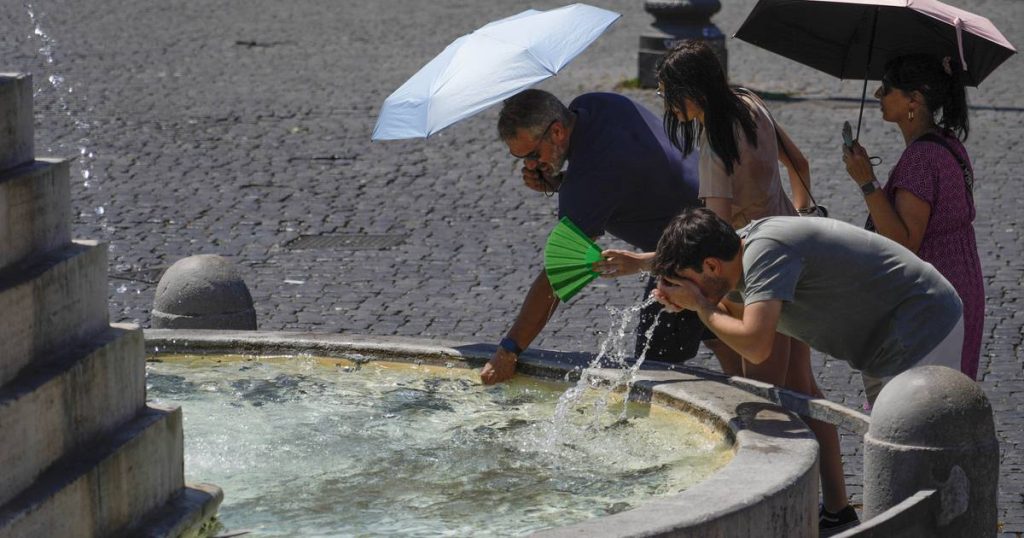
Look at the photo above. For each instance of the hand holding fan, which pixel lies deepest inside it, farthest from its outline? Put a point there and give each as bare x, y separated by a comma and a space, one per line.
568, 259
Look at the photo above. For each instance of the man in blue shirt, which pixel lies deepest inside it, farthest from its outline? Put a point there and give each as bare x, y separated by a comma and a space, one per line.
624, 177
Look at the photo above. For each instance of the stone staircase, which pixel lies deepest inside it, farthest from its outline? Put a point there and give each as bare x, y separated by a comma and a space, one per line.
81, 453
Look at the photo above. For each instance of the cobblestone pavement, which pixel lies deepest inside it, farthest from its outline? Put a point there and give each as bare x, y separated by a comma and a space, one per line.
235, 126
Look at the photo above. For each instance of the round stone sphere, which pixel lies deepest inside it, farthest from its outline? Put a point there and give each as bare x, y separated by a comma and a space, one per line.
932, 406
203, 292
932, 428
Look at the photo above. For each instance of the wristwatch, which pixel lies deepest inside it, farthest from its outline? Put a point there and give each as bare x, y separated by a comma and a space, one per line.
510, 345
870, 187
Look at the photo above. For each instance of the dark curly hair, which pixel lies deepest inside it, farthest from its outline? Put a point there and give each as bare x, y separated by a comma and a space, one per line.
692, 71
692, 236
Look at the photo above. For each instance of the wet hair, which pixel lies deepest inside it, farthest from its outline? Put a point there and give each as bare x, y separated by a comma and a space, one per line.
926, 74
692, 71
532, 111
692, 236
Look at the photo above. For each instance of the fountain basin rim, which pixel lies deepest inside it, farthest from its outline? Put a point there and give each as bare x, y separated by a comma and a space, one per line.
770, 485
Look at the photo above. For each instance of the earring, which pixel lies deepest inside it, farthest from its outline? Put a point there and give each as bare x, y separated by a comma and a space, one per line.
910, 115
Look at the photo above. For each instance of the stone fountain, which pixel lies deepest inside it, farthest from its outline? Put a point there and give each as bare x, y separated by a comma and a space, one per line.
82, 453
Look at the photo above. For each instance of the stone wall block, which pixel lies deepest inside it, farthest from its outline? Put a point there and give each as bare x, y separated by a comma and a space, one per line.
57, 301
35, 210
107, 489
51, 411
17, 134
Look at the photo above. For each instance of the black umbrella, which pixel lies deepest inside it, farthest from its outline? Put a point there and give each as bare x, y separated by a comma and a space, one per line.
853, 39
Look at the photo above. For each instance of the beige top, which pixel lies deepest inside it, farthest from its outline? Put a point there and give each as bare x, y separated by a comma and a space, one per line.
755, 185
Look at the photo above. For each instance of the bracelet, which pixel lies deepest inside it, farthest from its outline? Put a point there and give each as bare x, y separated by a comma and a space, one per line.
510, 345
809, 210
870, 187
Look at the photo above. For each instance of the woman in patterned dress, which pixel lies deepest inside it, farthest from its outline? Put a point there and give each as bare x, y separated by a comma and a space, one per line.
927, 204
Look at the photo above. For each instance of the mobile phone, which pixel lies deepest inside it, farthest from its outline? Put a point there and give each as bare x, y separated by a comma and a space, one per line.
847, 134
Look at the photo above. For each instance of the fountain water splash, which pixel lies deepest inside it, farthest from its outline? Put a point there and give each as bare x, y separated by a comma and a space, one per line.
67, 102
613, 352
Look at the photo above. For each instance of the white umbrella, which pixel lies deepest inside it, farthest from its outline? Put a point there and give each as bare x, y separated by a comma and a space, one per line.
493, 63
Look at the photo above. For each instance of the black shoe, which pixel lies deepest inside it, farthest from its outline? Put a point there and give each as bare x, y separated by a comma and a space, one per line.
830, 524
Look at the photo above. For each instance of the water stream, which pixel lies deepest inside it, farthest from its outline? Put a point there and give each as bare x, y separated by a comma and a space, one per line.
614, 351
71, 105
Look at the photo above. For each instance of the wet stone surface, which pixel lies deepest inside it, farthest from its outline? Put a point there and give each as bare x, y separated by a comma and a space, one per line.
233, 127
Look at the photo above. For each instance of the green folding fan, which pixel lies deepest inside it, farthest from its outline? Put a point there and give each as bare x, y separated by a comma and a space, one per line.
568, 257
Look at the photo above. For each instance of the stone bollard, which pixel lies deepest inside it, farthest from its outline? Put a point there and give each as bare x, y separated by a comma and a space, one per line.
932, 428
675, 21
203, 292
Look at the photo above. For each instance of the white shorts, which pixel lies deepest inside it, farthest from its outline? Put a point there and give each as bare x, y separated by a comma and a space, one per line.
947, 353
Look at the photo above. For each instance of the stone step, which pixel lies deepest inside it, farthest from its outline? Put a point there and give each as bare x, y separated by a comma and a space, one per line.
107, 488
57, 300
53, 410
190, 512
35, 209
17, 144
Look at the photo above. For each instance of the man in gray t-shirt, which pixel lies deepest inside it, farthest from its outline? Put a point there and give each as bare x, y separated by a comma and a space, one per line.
847, 292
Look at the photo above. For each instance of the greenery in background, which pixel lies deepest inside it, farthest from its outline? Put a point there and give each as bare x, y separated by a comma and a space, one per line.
628, 84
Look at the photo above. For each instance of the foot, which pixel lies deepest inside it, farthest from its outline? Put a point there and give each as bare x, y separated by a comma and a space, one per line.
830, 524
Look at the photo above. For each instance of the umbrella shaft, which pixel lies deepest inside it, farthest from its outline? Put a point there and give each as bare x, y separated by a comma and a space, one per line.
867, 68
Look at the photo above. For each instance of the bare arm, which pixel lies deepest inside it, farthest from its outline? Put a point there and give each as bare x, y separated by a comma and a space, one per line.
615, 263
539, 305
797, 167
906, 222
751, 335
721, 206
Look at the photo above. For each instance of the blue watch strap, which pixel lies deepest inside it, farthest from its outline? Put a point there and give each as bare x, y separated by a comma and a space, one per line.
510, 345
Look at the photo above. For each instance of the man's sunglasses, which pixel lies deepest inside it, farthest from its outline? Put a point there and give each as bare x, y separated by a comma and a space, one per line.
549, 188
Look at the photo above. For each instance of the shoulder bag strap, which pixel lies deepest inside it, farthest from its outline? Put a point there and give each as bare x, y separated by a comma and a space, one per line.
760, 104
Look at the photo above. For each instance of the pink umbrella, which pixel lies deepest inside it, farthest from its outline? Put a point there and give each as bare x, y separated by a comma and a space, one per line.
853, 39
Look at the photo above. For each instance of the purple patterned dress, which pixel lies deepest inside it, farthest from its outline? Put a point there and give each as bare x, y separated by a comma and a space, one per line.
928, 171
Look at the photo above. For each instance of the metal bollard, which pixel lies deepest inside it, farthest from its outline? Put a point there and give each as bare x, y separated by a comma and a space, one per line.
203, 292
675, 21
932, 428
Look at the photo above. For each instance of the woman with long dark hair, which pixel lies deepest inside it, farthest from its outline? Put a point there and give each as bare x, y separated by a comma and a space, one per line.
741, 144
927, 203
741, 147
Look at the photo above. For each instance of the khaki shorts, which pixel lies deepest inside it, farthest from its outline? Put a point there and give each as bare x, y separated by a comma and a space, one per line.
947, 353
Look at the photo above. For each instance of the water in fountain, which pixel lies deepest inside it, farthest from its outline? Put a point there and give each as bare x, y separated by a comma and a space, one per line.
304, 449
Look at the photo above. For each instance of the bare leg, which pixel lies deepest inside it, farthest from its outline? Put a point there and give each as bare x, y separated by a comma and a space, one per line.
731, 362
789, 366
801, 379
774, 369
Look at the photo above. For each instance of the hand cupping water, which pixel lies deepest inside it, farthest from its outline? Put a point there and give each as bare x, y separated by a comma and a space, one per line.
677, 294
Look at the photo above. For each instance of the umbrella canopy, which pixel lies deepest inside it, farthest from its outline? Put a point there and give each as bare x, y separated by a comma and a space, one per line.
853, 39
487, 66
